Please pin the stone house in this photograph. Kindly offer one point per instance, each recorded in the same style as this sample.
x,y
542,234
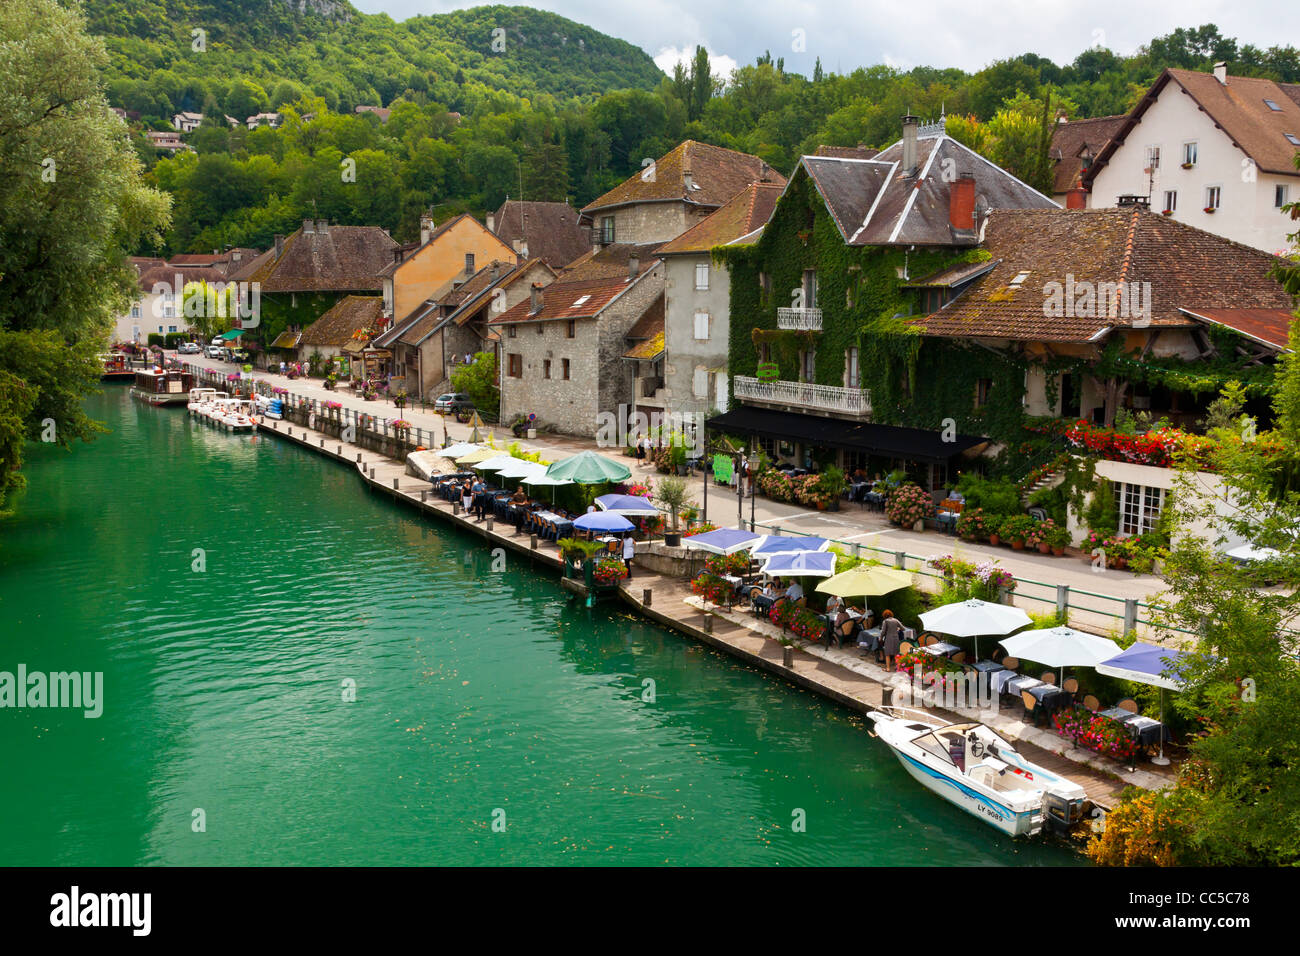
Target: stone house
x,y
561,349
336,333
673,193
446,330
688,375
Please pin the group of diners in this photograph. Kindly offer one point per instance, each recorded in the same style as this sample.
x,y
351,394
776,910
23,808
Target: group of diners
x,y
479,499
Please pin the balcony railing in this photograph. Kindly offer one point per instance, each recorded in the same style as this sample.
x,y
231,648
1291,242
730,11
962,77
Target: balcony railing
x,y
855,402
802,320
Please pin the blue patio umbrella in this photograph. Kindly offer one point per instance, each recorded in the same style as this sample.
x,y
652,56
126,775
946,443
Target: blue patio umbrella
x,y
627,505
723,540
1148,664
603,521
807,564
786,544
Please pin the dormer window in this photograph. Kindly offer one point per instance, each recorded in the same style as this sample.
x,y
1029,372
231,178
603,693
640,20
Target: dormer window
x,y
1273,106
581,299
1019,279
1292,139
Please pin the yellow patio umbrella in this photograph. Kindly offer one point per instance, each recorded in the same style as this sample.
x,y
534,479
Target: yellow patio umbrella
x,y
866,580
474,457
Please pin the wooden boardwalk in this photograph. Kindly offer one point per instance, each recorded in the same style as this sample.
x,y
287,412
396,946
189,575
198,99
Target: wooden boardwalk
x,y
666,604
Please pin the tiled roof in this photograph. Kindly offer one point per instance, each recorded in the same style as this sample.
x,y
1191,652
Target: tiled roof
x,y
611,262
953,275
341,259
847,152
874,204
1072,140
1269,327
567,300
648,332
350,315
1186,268
746,211
1237,108
470,306
166,275
550,230
288,339
717,174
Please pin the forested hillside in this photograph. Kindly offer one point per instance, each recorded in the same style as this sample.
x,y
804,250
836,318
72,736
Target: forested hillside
x,y
257,54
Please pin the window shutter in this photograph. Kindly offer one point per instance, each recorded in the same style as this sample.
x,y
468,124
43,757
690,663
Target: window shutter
x,y
701,383
701,325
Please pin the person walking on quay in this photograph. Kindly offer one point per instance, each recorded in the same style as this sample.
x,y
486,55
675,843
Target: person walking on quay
x,y
466,497
629,552
891,635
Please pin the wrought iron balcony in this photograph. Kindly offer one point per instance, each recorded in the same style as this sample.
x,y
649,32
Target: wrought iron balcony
x,y
803,320
826,399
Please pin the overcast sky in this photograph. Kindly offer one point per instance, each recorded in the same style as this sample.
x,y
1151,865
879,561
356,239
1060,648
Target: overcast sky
x,y
847,34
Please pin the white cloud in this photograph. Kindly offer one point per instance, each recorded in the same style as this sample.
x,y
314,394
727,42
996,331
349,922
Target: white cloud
x,y
719,63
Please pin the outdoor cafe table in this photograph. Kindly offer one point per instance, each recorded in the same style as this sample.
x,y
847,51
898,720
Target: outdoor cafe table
x,y
870,638
1145,730
1049,696
562,524
940,649
1009,682
987,667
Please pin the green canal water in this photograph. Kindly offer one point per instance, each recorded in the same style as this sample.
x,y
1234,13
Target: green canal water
x,y
482,695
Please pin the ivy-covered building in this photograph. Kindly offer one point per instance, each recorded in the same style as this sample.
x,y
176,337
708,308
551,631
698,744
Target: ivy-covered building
x,y
824,361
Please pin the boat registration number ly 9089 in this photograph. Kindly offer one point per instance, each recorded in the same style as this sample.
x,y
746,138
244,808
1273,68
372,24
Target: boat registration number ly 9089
x,y
988,811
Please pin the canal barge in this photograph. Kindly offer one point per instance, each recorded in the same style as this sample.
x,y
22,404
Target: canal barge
x,y
162,387
973,767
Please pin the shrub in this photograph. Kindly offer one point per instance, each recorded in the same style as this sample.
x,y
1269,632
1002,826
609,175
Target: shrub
x,y
1017,527
609,571
972,525
994,496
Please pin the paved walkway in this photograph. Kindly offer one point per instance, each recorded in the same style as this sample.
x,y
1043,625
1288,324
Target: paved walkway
x,y
852,525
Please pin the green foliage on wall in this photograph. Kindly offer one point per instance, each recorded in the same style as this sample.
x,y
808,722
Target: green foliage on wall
x,y
913,381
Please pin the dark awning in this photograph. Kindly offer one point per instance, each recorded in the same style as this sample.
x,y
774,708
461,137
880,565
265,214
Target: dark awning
x,y
887,441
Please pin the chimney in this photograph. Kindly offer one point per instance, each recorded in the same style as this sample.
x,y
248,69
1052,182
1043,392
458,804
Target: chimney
x,y
491,222
961,203
687,180
911,126
496,269
765,174
322,226
308,226
633,266
535,295
523,249
1077,198
1221,73
426,229
279,244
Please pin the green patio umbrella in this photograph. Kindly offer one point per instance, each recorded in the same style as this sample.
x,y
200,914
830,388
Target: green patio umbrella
x,y
588,468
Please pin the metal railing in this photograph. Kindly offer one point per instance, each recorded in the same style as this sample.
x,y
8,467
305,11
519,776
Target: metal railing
x,y
800,320
824,398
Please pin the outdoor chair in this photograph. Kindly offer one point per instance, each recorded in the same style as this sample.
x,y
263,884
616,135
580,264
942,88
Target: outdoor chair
x,y
1129,704
1048,677
1031,706
998,654
1010,663
904,648
1071,686
928,639
1091,703
959,657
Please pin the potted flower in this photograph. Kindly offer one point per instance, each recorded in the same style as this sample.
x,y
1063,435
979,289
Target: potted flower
x,y
609,571
993,527
1057,538
399,399
690,514
973,525
652,525
831,485
1016,528
909,506
1166,212
1209,210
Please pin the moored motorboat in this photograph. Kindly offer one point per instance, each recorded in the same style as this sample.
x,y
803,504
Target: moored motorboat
x,y
117,367
199,397
972,766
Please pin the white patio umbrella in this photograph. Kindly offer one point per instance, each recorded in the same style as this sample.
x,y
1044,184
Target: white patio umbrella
x,y
519,468
1248,552
496,463
542,479
458,450
973,618
1061,647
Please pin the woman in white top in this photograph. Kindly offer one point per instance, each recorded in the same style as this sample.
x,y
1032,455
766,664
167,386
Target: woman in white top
x,y
629,552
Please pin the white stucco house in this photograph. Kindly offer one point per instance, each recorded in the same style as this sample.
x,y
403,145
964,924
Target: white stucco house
x,y
1211,150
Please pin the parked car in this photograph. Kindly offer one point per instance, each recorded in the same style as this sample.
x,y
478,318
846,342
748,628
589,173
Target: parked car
x,y
453,402
213,351
188,348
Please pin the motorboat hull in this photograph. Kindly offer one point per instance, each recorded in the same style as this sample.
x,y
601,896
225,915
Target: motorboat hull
x,y
968,797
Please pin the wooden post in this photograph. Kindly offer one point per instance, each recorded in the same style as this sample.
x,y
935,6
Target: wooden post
x,y
646,595
489,523
394,480
372,471
532,542
358,458
455,509
708,623
424,495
